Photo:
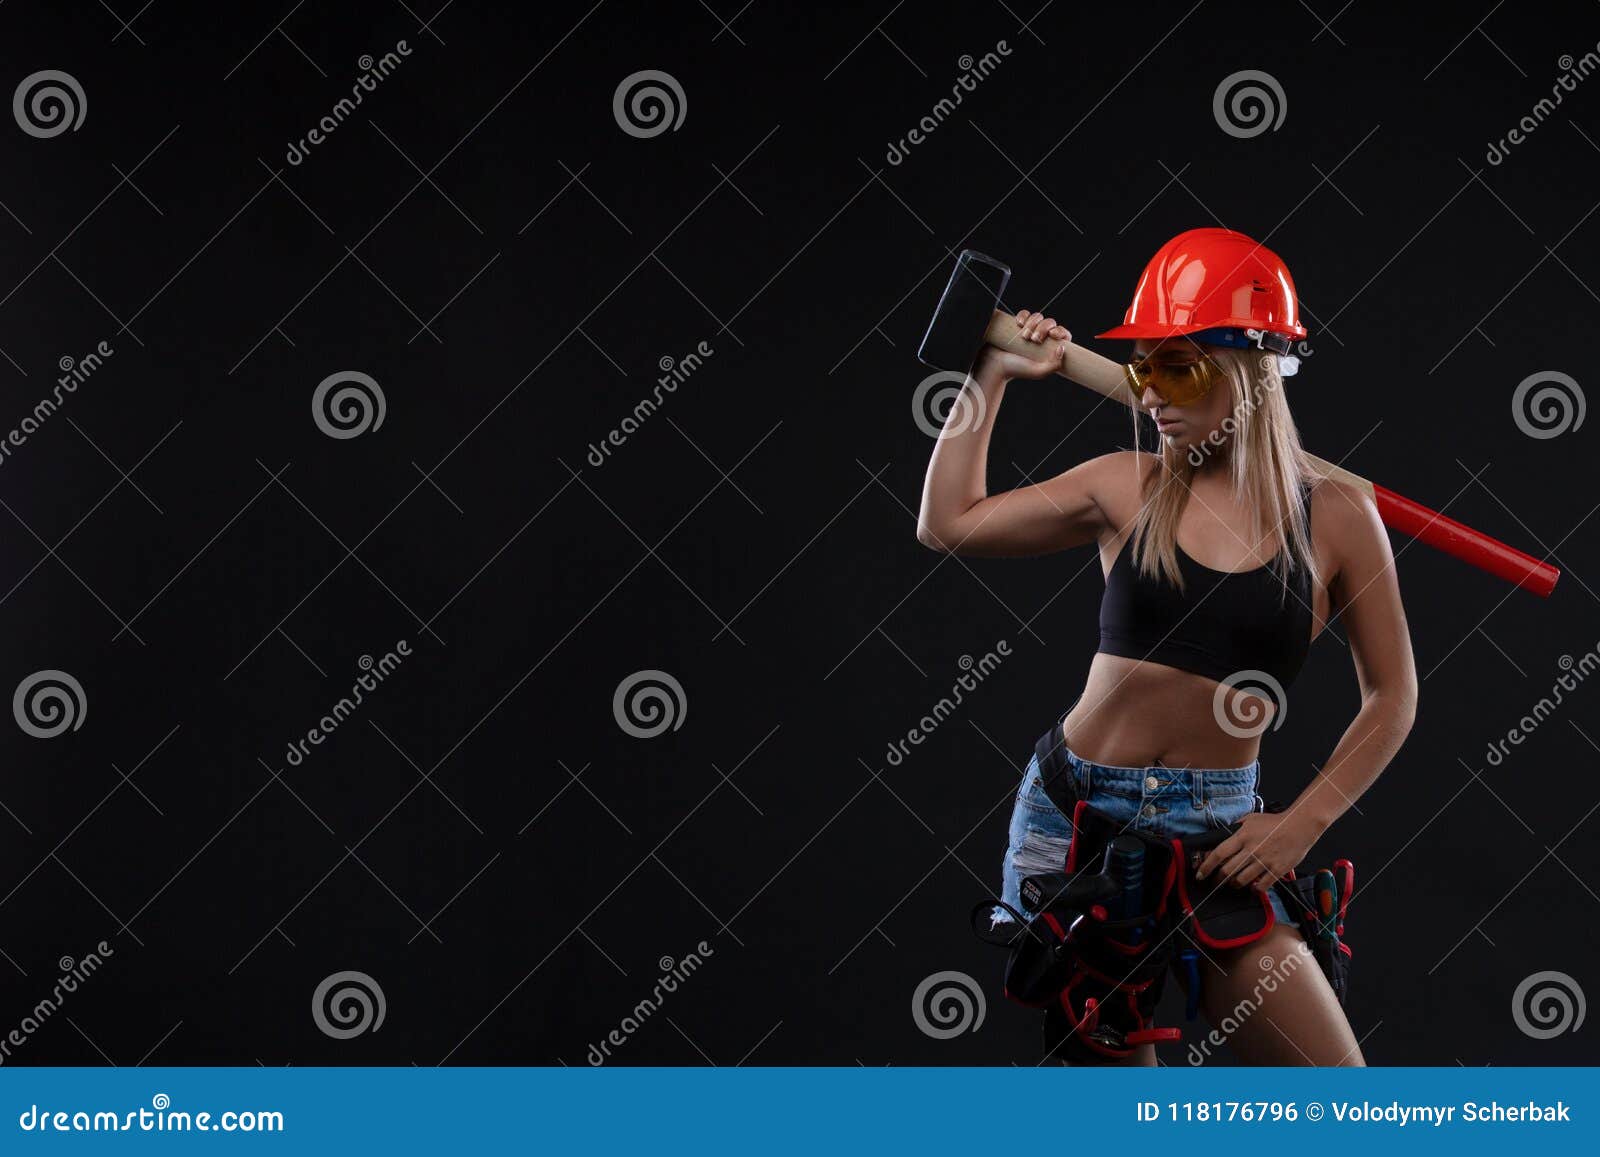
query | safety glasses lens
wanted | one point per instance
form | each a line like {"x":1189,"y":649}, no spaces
{"x":1178,"y":383}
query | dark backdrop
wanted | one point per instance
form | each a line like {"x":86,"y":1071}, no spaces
{"x":481,"y":838}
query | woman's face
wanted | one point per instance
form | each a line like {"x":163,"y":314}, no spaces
{"x":1182,"y":426}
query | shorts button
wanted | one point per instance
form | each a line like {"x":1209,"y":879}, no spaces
{"x":1149,"y":809}
{"x":1151,"y":783}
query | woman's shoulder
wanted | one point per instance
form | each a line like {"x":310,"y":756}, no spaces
{"x":1344,"y":517}
{"x":1340,"y":502}
{"x":1125,"y":467}
{"x":1117,"y":482}
{"x":1121,"y":474}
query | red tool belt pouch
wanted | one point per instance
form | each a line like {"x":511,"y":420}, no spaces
{"x":1217,"y":915}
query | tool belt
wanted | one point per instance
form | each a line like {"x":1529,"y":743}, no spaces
{"x":1125,"y":907}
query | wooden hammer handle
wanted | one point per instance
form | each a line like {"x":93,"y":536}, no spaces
{"x":1106,"y":377}
{"x":1087,"y":368}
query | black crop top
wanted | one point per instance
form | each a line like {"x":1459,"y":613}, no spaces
{"x":1222,"y":623}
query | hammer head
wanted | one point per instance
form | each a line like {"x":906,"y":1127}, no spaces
{"x":955,"y":335}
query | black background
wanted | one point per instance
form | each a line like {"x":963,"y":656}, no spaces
{"x":754,"y":538}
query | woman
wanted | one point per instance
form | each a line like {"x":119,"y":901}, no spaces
{"x":1224,"y":557}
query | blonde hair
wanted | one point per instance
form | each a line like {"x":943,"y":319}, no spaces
{"x":1267,"y":468}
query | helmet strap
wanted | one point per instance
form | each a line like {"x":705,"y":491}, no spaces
{"x":1240,"y":339}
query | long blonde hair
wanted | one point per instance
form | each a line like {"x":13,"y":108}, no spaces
{"x":1267,"y":469}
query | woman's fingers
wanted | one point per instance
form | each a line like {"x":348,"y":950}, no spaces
{"x":1243,"y":868}
{"x":1254,"y":872}
{"x":1036,"y":327}
{"x":1219,"y":855}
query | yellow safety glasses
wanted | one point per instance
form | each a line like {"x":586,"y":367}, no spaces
{"x":1179,"y":383}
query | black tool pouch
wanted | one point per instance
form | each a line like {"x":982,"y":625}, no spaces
{"x":1323,"y":932}
{"x":1099,"y":977}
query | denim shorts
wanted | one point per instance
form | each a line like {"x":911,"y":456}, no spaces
{"x":1161,"y":801}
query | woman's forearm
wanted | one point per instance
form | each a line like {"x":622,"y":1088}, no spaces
{"x":1365,"y":749}
{"x":957,"y":478}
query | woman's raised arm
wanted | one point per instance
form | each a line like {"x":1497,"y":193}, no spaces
{"x":958,"y":514}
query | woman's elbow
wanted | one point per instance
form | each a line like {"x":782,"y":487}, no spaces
{"x":1401,"y":704}
{"x":1408,"y":707}
{"x":933,"y":538}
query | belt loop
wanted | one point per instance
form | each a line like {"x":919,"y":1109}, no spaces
{"x":1076,"y":768}
{"x":1059,"y":778}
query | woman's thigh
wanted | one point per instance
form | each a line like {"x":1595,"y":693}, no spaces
{"x":1274,"y":1006}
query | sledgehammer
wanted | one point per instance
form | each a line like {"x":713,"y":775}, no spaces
{"x":967,"y":317}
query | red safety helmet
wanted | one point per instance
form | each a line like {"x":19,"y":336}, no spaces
{"x":1214,"y":279}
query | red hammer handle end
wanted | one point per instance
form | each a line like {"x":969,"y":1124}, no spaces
{"x":1471,"y":546}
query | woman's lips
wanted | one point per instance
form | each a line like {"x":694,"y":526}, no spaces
{"x":1165,"y":424}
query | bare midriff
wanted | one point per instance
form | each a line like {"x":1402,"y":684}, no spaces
{"x":1136,"y":714}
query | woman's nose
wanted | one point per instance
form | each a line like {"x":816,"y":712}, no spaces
{"x":1150,"y":399}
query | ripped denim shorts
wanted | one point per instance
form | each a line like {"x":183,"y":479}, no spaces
{"x":1162,"y":801}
